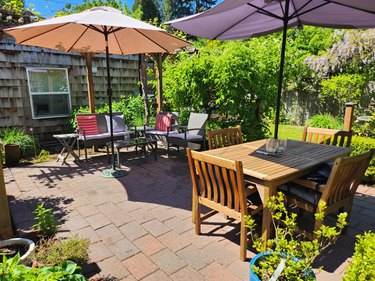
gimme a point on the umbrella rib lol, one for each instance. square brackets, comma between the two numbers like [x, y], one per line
[57, 27]
[264, 12]
[151, 40]
[237, 22]
[118, 43]
[348, 6]
[309, 10]
[71, 47]
[296, 11]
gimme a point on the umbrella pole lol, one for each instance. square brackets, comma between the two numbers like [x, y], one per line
[110, 173]
[281, 71]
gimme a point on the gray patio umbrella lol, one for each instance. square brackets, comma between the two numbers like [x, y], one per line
[98, 30]
[241, 19]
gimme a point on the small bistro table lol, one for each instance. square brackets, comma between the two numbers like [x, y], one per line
[139, 141]
[67, 141]
[268, 172]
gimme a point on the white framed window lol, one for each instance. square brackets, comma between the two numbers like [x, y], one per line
[49, 92]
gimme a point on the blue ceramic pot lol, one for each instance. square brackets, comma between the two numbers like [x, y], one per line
[254, 261]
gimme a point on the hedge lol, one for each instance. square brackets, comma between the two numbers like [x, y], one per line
[363, 144]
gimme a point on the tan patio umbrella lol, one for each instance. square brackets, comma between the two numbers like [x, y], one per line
[98, 30]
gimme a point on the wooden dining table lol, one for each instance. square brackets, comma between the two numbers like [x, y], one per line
[270, 171]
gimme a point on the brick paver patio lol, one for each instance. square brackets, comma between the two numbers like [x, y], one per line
[140, 225]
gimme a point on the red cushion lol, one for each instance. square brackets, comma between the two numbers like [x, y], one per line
[163, 121]
[87, 123]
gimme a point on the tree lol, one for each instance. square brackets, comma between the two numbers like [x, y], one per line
[202, 5]
[150, 9]
[88, 4]
[173, 9]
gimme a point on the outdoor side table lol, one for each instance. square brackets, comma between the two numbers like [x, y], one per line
[141, 141]
[67, 141]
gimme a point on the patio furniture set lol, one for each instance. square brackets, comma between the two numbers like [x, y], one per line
[94, 129]
[220, 176]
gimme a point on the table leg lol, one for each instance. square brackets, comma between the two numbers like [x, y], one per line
[118, 157]
[155, 146]
[267, 218]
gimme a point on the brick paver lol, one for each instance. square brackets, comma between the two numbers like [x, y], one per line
[140, 227]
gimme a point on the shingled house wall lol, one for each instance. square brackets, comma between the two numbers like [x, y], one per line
[15, 106]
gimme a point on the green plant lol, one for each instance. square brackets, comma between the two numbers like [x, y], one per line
[46, 223]
[42, 157]
[362, 267]
[17, 135]
[363, 144]
[12, 270]
[50, 252]
[325, 120]
[365, 128]
[289, 244]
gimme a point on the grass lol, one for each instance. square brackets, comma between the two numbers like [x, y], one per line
[288, 131]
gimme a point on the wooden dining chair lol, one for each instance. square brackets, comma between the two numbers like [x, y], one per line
[327, 136]
[337, 193]
[219, 185]
[224, 137]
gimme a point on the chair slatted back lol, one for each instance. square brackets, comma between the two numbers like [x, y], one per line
[327, 136]
[219, 183]
[224, 137]
[345, 177]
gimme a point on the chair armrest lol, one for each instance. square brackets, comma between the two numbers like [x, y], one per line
[79, 130]
[309, 184]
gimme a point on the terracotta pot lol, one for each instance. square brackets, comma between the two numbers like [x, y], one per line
[12, 155]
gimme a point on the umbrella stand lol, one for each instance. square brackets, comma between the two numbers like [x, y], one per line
[113, 172]
[281, 71]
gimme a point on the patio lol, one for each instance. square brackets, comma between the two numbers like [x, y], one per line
[140, 225]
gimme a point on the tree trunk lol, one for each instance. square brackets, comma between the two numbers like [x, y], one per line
[143, 80]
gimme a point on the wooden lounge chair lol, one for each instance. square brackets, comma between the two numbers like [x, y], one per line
[224, 137]
[339, 191]
[219, 185]
[194, 132]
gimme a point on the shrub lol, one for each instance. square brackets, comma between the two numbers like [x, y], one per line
[365, 128]
[46, 223]
[325, 120]
[361, 145]
[52, 252]
[362, 267]
[17, 135]
[12, 270]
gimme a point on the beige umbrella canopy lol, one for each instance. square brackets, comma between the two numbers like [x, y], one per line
[98, 30]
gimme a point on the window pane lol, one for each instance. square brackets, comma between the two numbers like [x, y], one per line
[48, 80]
[50, 105]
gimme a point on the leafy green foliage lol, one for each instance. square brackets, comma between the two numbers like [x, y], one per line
[298, 252]
[361, 145]
[12, 270]
[326, 121]
[51, 252]
[150, 9]
[17, 135]
[362, 267]
[88, 4]
[43, 156]
[46, 222]
[366, 128]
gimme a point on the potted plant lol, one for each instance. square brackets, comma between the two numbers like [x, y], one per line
[289, 256]
[21, 246]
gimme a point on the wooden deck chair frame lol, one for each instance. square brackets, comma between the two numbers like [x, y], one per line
[224, 137]
[327, 136]
[341, 186]
[219, 185]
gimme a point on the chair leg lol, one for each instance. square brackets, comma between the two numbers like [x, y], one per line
[243, 240]
[197, 218]
[85, 147]
[168, 146]
[348, 210]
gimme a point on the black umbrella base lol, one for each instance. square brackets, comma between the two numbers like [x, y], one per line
[111, 173]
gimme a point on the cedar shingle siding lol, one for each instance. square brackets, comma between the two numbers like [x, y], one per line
[15, 107]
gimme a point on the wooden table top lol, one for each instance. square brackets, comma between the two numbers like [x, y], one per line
[299, 156]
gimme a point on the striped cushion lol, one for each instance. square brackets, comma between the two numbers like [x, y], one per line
[88, 123]
[163, 121]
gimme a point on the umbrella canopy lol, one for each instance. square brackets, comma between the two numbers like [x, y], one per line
[83, 32]
[98, 30]
[241, 19]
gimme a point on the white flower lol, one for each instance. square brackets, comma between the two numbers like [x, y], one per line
[20, 20]
[8, 18]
